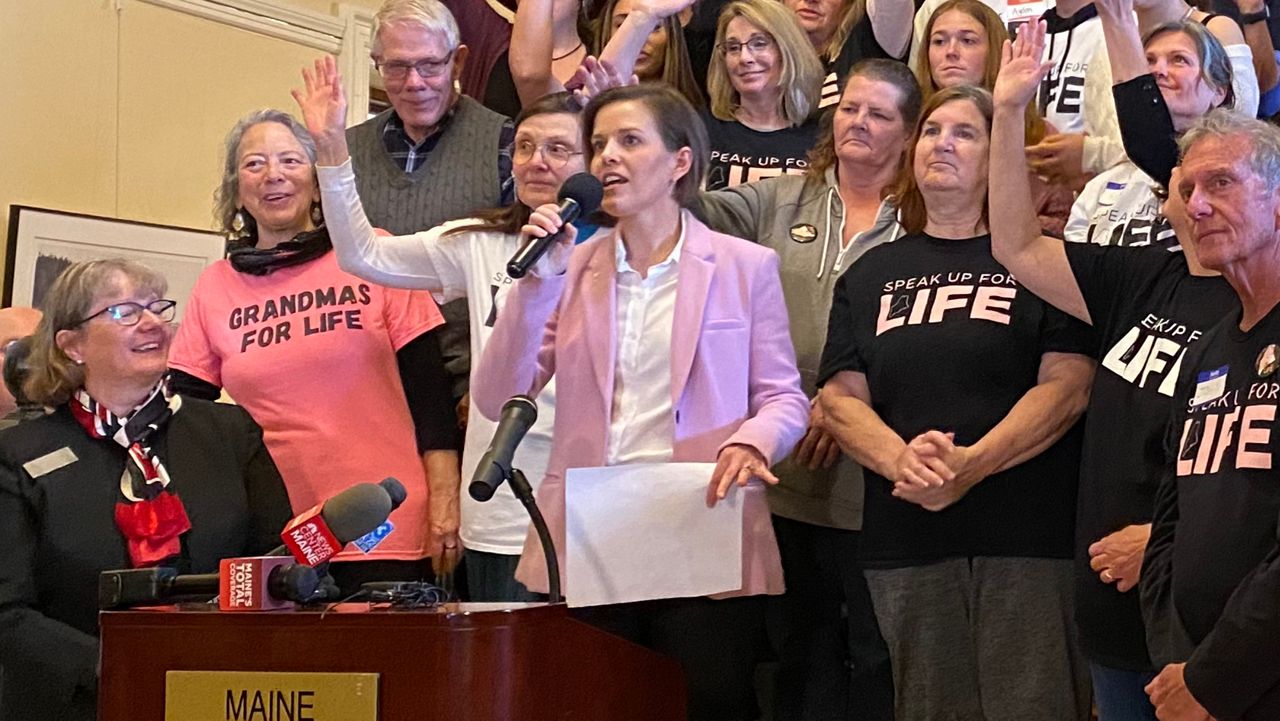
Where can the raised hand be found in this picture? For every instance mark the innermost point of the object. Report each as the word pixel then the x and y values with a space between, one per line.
pixel 1022 67
pixel 662 8
pixel 1114 8
pixel 594 77
pixel 324 109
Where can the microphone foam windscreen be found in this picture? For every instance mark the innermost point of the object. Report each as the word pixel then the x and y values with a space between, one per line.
pixel 585 189
pixel 356 511
pixel 395 491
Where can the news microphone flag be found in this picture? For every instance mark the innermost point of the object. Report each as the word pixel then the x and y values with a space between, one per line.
pixel 244 583
pixel 309 538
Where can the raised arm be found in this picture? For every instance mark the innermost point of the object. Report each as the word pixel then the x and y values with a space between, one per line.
pixel 891 23
pixel 531 50
pixel 1038 261
pixel 1257 33
pixel 1146 127
pixel 628 40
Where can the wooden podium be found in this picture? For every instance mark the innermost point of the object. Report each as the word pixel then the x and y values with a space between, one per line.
pixel 479 662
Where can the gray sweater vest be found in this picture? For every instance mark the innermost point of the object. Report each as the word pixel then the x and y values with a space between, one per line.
pixel 458 177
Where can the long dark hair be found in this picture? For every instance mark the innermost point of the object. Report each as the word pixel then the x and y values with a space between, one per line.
pixel 511 218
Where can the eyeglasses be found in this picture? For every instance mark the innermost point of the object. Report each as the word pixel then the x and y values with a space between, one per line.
pixel 555 154
pixel 397 71
pixel 756 44
pixel 129 314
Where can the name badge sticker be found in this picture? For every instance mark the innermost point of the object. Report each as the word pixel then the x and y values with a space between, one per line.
pixel 50 462
pixel 1210 385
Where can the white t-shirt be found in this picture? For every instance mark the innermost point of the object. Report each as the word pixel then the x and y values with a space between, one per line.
pixel 473 264
pixel 1119 207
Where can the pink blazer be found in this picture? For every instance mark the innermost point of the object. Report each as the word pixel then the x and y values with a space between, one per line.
pixel 733 374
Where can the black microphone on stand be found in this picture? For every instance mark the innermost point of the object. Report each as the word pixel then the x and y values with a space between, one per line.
pixel 495 467
pixel 580 195
pixel 518 414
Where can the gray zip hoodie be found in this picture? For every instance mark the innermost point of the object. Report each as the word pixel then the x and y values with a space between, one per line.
pixel 804 223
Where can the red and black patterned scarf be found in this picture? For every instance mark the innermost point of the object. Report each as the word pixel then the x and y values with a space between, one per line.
pixel 151 518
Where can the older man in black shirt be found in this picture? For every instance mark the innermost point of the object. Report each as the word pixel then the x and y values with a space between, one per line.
pixel 1211 577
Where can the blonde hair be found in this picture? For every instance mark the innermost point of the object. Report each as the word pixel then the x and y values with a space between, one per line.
pixel 801 75
pixel 53 376
pixel 853 14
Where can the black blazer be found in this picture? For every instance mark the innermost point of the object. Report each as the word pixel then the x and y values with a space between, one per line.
pixel 57 533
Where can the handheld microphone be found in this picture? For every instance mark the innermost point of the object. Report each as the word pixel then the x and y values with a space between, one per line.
pixel 267 582
pixel 320 533
pixel 264 583
pixel 518 414
pixel 579 195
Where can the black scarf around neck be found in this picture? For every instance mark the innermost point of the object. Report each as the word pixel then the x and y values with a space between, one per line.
pixel 304 247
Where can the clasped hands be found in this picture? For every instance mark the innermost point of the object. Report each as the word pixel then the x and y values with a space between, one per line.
pixel 933 472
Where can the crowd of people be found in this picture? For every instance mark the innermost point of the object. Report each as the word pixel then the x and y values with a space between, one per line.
pixel 976 319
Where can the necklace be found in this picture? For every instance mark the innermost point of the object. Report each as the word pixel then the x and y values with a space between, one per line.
pixel 575 49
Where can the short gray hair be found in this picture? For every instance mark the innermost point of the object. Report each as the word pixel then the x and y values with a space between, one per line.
pixel 226 199
pixel 1264 140
pixel 430 15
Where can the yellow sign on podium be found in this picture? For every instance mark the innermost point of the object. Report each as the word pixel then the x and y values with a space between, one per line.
pixel 258 696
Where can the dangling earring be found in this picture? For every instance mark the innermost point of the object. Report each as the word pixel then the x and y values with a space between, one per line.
pixel 457 87
pixel 317 214
pixel 238 223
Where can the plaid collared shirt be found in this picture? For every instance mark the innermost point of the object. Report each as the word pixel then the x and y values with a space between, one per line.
pixel 410 155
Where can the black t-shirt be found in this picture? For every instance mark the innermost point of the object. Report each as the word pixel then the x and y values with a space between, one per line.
pixel 860 45
pixel 741 155
pixel 1215 543
pixel 700 37
pixel 948 340
pixel 1147 309
pixel 500 91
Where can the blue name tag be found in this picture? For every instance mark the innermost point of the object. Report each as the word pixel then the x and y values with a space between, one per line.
pixel 1209 385
pixel 1206 376
pixel 370 540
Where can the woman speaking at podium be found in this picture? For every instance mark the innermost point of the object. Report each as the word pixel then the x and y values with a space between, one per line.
pixel 669 343
pixel 121 474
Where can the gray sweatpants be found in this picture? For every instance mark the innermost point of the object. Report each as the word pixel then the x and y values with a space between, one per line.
pixel 982 639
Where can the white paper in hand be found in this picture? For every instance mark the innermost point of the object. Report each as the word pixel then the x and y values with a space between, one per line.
pixel 643 531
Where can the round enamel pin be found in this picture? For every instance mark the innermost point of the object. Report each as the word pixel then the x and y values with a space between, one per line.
pixel 1268 361
pixel 803 233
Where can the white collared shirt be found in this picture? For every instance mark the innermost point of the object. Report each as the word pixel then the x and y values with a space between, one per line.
pixel 641 425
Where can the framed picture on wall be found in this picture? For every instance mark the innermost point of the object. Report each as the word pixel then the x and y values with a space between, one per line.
pixel 43 242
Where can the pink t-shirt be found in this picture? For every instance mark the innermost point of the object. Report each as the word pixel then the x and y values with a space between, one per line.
pixel 310 352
